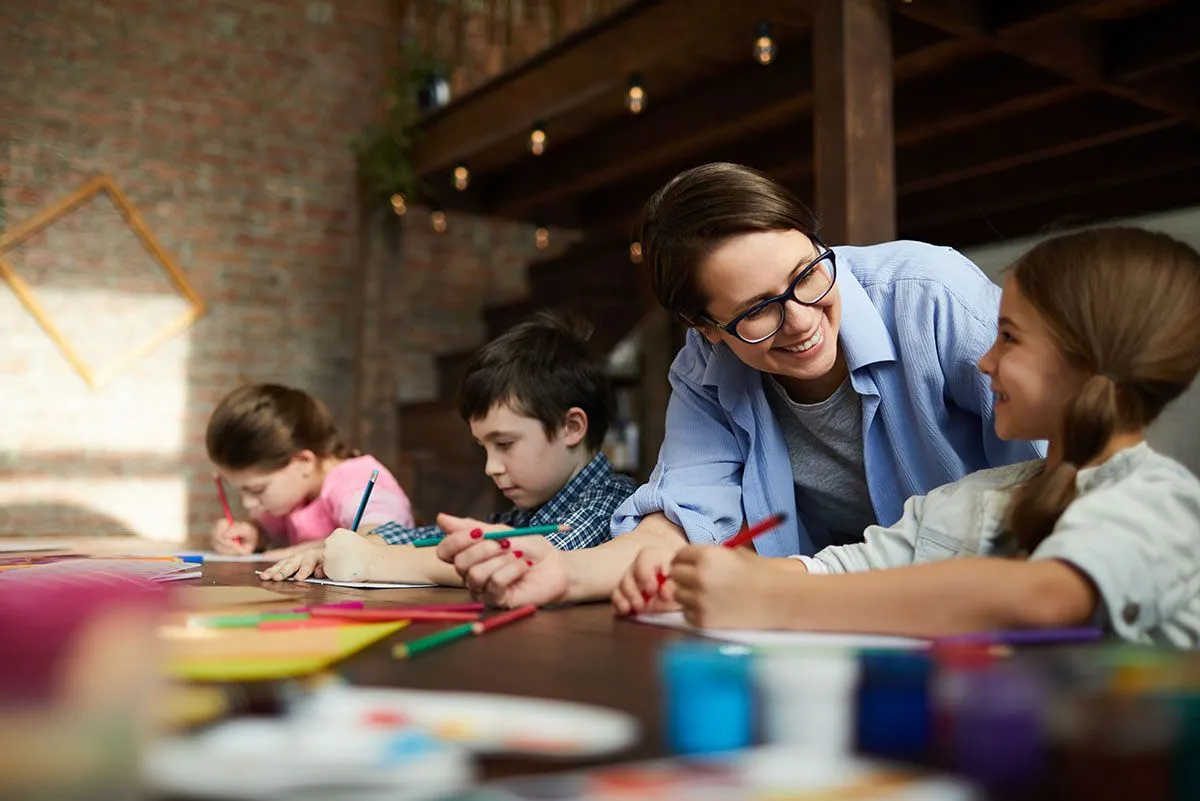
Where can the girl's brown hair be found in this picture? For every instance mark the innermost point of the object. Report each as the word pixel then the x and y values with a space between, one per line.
pixel 262 426
pixel 697 211
pixel 1124 307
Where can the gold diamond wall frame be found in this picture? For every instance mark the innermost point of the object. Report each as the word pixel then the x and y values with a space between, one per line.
pixel 101 184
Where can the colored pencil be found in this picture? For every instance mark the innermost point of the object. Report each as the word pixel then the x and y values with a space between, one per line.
pixel 249 620
pixel 473 606
pixel 224 499
pixel 362 505
pixel 418 615
pixel 747 534
pixel 503 619
pixel 306 623
pixel 528 531
pixel 407 649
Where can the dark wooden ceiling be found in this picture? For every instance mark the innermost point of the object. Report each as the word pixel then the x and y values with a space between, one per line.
pixel 1010 115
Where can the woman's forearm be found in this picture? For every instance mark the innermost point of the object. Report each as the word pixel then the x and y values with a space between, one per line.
pixel 593 573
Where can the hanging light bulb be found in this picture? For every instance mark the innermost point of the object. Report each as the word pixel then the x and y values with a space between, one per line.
pixel 541 237
pixel 635 253
pixel 437 218
pixel 537 139
pixel 462 177
pixel 764 44
pixel 398 205
pixel 635 98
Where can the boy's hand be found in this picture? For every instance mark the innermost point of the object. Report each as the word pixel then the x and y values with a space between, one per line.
pixel 646 585
pixel 729 588
pixel 299 564
pixel 236 539
pixel 507 573
pixel 290 550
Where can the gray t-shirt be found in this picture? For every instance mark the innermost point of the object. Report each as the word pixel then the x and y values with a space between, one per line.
pixel 825 444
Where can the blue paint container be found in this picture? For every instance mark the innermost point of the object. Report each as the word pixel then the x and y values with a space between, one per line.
pixel 894 715
pixel 708 696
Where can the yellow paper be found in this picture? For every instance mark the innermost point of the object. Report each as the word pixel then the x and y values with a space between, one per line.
pixel 250 654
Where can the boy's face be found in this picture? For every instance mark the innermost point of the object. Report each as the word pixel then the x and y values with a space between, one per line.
pixel 529 467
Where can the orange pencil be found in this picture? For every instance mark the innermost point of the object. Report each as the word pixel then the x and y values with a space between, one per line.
pixel 225 504
pixel 496 621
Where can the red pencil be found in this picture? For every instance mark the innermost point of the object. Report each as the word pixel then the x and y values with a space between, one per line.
pixel 747 534
pixel 394 614
pixel 496 621
pixel 310 623
pixel 224 500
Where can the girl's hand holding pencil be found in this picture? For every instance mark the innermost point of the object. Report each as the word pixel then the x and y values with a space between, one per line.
pixel 236 538
pixel 646 586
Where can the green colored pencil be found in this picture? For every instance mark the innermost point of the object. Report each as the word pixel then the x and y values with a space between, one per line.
pixel 406 649
pixel 528 531
pixel 249 620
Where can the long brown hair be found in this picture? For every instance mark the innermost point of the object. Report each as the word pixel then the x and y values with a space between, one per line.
pixel 262 426
pixel 697 211
pixel 1123 305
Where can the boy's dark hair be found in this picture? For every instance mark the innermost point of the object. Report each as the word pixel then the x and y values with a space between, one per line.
pixel 540 368
pixel 262 426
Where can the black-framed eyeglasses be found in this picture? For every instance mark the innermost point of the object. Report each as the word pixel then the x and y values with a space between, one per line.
pixel 762 320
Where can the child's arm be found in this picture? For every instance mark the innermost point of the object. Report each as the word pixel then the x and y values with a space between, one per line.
pixel 927 600
pixel 347 556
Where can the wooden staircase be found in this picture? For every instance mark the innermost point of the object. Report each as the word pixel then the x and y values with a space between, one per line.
pixel 441 467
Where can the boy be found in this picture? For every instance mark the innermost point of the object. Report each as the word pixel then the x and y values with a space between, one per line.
pixel 538 403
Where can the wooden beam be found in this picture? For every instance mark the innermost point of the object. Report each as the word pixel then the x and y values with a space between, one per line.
pixel 1141 195
pixel 1054 36
pixel 1109 164
pixel 595 61
pixel 686 129
pixel 1087 121
pixel 1160 41
pixel 855 176
pixel 742 101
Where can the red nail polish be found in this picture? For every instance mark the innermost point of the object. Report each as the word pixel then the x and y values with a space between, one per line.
pixel 661 579
pixel 505 544
pixel 518 554
pixel 476 533
pixel 529 562
pixel 646 596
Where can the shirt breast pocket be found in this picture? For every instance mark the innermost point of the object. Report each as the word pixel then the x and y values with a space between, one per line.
pixel 934 546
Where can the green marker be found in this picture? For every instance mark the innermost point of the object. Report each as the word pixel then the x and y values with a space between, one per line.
pixel 406 649
pixel 250 620
pixel 528 531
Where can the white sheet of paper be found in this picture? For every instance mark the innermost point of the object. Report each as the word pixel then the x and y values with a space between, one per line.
pixel 360 585
pixel 180 576
pixel 34 544
pixel 365 585
pixel 785 639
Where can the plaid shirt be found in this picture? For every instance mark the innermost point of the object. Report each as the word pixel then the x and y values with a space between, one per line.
pixel 586 504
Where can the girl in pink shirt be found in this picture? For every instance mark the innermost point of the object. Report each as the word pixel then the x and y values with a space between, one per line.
pixel 279 448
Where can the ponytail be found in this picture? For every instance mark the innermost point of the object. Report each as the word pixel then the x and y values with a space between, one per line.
pixel 1089 421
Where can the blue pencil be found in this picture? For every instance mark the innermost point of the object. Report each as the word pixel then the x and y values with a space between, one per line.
pixel 362 506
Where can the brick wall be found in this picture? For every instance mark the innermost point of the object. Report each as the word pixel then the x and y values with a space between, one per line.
pixel 227 124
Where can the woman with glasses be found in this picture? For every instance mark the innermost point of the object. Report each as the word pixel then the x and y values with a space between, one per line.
pixel 828 385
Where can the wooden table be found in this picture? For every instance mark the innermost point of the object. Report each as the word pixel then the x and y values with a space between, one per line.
pixel 576 653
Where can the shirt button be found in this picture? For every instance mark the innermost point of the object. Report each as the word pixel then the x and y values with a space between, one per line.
pixel 1130 613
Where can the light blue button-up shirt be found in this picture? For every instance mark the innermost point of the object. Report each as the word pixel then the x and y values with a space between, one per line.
pixel 915 321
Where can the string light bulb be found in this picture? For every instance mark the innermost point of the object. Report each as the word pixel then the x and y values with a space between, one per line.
pixel 764 44
pixel 635 97
pixel 437 219
pixel 462 177
pixel 537 139
pixel 541 237
pixel 398 205
pixel 635 252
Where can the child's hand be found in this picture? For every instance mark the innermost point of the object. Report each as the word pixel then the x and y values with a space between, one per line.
pixel 507 573
pixel 729 588
pixel 646 585
pixel 237 539
pixel 300 564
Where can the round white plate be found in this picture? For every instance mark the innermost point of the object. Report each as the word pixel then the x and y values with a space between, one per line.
pixel 481 722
